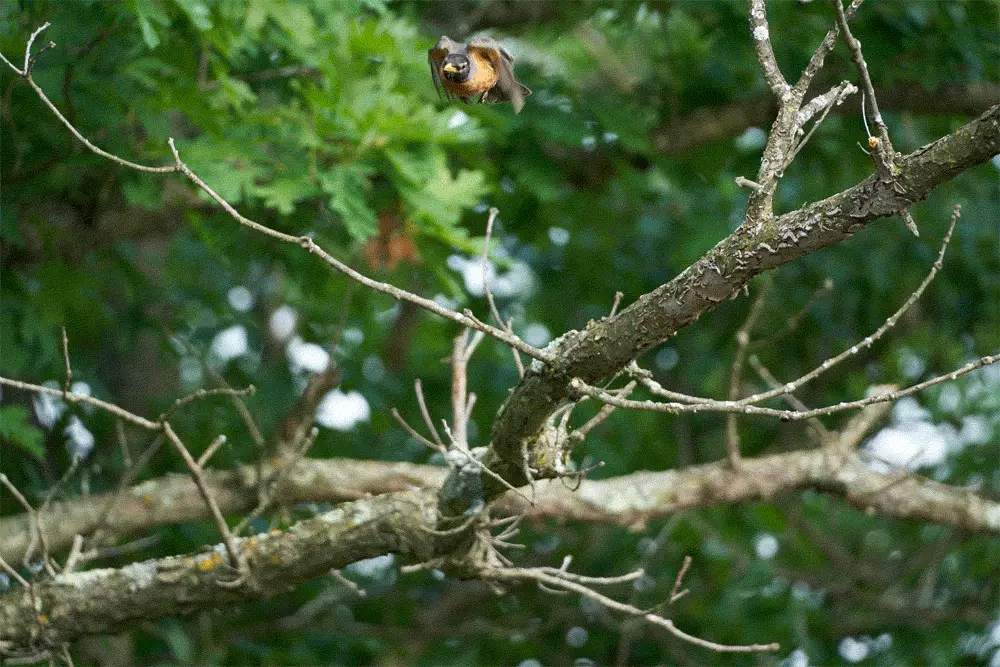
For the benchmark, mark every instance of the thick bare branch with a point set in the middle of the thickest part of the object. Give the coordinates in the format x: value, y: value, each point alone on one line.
x: 606, y: 346
x: 95, y: 602
x: 629, y: 500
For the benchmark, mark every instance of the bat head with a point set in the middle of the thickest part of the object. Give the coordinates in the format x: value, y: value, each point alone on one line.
x: 456, y: 67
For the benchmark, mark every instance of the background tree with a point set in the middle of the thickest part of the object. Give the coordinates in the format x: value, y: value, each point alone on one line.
x: 318, y: 120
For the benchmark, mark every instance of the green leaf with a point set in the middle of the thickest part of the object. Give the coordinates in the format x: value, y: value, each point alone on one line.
x: 198, y: 12
x: 256, y: 15
x: 297, y: 21
x: 149, y: 12
x: 15, y: 428
x: 346, y: 186
x: 284, y: 193
x: 440, y: 202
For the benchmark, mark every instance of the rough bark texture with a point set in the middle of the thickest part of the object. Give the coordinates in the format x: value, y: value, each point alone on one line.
x: 606, y: 346
x: 629, y: 500
x: 104, y: 601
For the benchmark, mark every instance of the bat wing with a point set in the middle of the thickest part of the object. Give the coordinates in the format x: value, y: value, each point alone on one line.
x: 444, y: 46
x: 507, y: 88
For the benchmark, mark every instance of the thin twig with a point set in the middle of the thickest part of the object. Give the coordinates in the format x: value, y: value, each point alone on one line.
x: 739, y: 407
x: 69, y: 370
x: 266, y: 487
x: 459, y: 385
x: 418, y: 389
x: 559, y: 581
x: 869, y: 340
x: 883, y: 149
x: 736, y: 373
x: 507, y: 325
x: 386, y: 288
x: 38, y: 536
x: 675, y: 592
x: 207, y: 454
x: 26, y: 73
x: 415, y: 435
x: 73, y: 397
x: 842, y: 91
x: 14, y: 574
x: 207, y: 393
x: 820, y: 432
x: 614, y: 306
x: 579, y: 434
x: 197, y: 474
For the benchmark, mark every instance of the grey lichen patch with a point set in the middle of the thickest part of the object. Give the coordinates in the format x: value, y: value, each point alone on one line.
x: 992, y: 517
x: 84, y: 580
x: 335, y: 516
x: 139, y: 575
x: 143, y: 489
x: 628, y: 498
x: 463, y: 489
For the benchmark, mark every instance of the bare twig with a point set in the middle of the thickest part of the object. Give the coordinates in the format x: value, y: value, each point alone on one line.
x: 819, y: 431
x: 818, y: 56
x: 69, y: 370
x: 197, y: 474
x: 579, y: 434
x: 80, y: 398
x: 386, y: 288
x: 827, y: 101
x: 883, y: 146
x: 676, y: 593
x: 418, y: 389
x: 617, y: 302
x: 26, y: 73
x: 415, y: 435
x: 765, y: 52
x: 207, y: 393
x: 505, y: 324
x: 265, y: 488
x: 558, y: 580
x: 38, y: 536
x: 740, y: 407
x: 210, y: 450
x: 736, y: 373
x: 459, y: 382
x: 869, y: 340
x: 14, y: 574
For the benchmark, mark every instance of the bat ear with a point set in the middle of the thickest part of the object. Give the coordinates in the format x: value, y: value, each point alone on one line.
x: 445, y: 44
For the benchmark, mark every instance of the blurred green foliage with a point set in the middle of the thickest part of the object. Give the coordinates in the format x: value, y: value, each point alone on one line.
x: 320, y: 118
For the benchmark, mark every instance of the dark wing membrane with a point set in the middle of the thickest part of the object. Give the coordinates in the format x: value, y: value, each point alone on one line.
x: 444, y: 46
x: 507, y: 88
x: 434, y: 58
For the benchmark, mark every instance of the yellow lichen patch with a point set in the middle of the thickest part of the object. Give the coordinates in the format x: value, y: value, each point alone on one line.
x: 275, y: 559
x: 43, y: 619
x: 210, y: 562
x: 147, y: 499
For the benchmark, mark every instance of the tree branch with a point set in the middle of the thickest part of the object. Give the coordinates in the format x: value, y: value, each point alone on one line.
x: 707, y: 124
x: 606, y: 346
x: 95, y: 602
